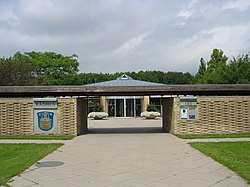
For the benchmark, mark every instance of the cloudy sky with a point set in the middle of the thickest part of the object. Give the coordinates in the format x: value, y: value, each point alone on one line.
x: 127, y: 35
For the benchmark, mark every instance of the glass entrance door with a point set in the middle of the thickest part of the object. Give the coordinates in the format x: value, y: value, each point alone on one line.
x: 111, y: 107
x: 138, y: 107
x: 130, y: 108
x: 119, y: 107
x: 123, y: 107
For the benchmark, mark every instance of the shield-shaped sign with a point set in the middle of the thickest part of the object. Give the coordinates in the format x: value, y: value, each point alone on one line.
x: 45, y: 120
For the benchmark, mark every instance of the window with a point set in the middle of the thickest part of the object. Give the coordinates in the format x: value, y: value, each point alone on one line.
x: 187, y: 113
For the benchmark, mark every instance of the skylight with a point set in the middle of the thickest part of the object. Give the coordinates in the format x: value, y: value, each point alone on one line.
x: 124, y: 76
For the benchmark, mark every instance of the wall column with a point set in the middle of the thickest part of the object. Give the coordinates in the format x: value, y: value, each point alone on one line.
x: 167, y: 113
x: 82, y: 115
x: 103, y: 102
x: 145, y: 103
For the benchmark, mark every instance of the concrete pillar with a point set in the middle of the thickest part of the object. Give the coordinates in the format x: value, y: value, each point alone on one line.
x: 167, y: 113
x: 82, y: 115
x: 145, y: 103
x: 103, y: 102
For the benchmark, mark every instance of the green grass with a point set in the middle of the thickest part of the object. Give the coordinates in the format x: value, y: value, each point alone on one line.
x: 38, y: 137
x: 234, y: 155
x: 206, y: 136
x: 15, y: 158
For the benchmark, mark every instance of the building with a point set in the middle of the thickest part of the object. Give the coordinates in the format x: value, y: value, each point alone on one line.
x: 28, y: 110
x: 126, y: 106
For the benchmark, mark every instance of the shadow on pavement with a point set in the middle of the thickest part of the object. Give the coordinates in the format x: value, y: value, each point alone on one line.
x: 126, y: 130
x: 49, y: 164
x: 45, y: 164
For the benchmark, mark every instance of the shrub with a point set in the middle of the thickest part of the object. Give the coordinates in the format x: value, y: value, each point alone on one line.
x: 151, y: 108
x: 98, y: 108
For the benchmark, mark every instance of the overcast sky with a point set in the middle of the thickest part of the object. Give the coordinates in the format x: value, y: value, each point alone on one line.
x: 127, y: 35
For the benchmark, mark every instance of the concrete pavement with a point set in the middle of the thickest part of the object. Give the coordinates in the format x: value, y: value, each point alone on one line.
x: 137, y: 157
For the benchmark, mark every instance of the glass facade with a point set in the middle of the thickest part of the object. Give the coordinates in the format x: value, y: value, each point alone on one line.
x: 124, y: 106
x: 119, y: 107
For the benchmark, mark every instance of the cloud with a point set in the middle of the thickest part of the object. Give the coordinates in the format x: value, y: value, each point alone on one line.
x: 202, y: 43
x: 188, y: 10
x: 131, y: 44
x: 184, y: 13
x: 241, y: 5
x: 125, y: 35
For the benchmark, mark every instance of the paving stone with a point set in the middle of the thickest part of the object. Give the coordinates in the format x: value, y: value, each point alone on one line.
x: 127, y: 159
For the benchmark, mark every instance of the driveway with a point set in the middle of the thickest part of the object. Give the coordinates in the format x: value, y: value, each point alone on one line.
x: 135, y: 153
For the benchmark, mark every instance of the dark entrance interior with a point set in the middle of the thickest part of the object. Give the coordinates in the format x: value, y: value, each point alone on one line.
x: 125, y: 121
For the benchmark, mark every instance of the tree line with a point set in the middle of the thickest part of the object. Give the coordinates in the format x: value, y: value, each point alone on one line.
x: 50, y: 68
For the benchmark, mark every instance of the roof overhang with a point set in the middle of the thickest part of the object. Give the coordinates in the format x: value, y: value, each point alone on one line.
x: 43, y: 91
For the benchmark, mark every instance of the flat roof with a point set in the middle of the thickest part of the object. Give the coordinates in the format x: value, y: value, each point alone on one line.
x: 194, y: 89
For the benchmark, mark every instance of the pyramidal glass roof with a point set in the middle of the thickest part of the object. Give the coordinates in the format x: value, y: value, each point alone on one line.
x: 125, y: 80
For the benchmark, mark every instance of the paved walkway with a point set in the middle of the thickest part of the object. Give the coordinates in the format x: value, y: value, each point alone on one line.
x: 134, y: 158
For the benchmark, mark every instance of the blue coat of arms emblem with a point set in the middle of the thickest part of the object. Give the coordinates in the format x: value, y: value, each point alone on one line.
x: 45, y: 120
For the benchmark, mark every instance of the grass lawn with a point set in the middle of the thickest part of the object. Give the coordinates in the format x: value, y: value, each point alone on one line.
x: 205, y: 136
x: 234, y: 155
x: 38, y: 137
x: 15, y: 158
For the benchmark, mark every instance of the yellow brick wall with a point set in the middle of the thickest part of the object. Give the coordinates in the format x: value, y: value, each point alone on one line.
x: 16, y: 116
x: 67, y: 116
x: 215, y: 115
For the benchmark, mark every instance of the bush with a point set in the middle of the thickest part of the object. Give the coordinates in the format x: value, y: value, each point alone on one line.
x: 151, y: 108
x: 98, y: 108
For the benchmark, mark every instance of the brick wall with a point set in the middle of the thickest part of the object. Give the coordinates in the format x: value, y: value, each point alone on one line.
x: 67, y: 116
x: 16, y: 116
x: 215, y: 115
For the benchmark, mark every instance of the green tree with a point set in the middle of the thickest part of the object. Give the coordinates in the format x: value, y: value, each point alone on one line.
x: 239, y: 70
x: 215, y: 72
x: 16, y: 72
x: 49, y: 67
x: 202, y: 68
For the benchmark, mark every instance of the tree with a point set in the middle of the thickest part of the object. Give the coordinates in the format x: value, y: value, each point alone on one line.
x: 16, y: 72
x: 239, y: 70
x: 202, y: 68
x: 214, y: 71
x: 49, y: 67
x: 216, y: 68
